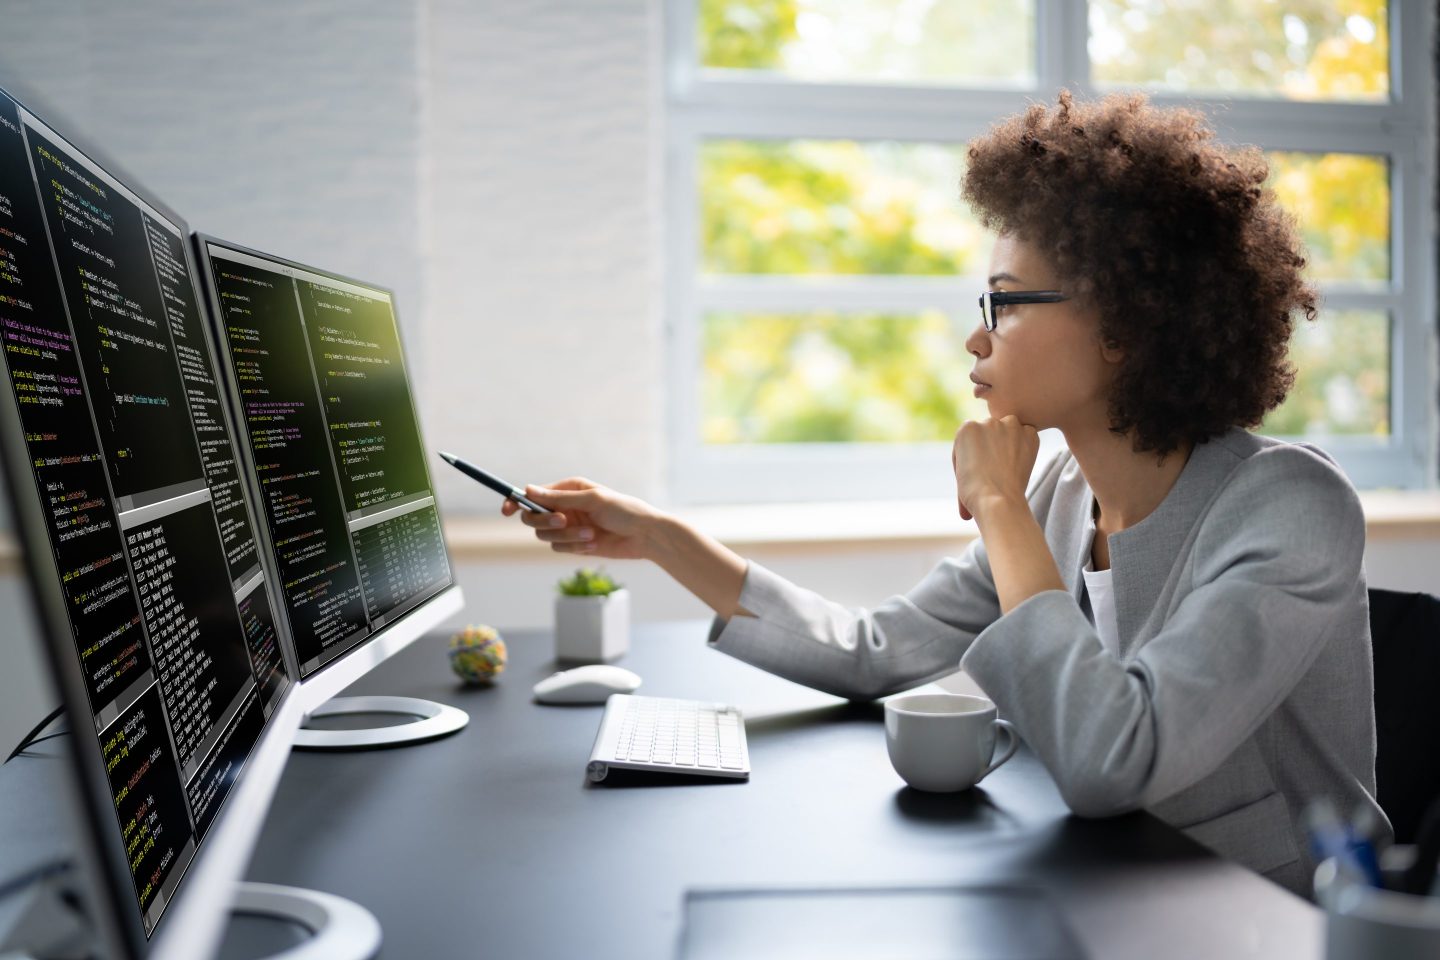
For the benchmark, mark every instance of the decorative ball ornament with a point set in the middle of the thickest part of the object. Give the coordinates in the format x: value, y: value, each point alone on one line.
x: 477, y: 654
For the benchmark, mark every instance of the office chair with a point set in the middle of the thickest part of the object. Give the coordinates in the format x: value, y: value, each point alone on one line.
x: 1405, y: 645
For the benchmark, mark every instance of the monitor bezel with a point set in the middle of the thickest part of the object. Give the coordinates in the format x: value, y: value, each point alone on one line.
x: 195, y: 918
x: 330, y: 678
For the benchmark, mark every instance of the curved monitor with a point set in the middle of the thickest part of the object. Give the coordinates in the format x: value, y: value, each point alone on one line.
x: 139, y: 537
x: 332, y: 441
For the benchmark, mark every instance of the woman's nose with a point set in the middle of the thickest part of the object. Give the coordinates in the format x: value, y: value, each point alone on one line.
x: 978, y: 343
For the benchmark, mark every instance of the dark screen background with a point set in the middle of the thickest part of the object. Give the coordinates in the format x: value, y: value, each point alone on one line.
x: 119, y: 325
x: 288, y: 442
x: 356, y: 350
x: 69, y: 470
x: 92, y: 288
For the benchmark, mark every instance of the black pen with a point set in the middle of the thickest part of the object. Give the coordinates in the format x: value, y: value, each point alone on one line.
x: 493, y: 482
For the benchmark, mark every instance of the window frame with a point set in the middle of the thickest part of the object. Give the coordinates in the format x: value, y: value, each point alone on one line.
x: 700, y: 107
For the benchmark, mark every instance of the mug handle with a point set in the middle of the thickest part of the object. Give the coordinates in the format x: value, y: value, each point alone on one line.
x: 1008, y: 729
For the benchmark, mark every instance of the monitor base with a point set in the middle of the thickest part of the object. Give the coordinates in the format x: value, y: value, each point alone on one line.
x: 341, y: 929
x: 433, y: 720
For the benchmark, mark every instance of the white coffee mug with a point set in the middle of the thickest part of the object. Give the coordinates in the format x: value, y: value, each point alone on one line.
x: 942, y: 742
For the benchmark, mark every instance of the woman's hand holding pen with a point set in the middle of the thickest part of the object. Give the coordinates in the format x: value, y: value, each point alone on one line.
x: 592, y: 520
x: 589, y: 519
x: 992, y: 460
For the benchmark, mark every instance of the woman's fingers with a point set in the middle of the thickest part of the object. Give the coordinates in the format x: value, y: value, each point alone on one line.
x: 570, y: 483
x: 570, y: 535
x: 544, y: 521
x: 587, y: 518
x: 560, y: 498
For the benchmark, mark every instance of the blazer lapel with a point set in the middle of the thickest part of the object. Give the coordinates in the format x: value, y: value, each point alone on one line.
x: 1068, y: 525
x: 1144, y: 557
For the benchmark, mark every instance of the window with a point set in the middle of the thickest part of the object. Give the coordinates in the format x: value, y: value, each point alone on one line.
x: 822, y: 269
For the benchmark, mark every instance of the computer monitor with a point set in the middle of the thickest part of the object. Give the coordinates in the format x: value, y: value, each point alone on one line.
x: 332, y: 440
x: 154, y: 596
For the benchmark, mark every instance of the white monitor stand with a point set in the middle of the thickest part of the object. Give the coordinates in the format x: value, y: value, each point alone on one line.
x: 340, y: 929
x: 319, y: 694
x: 431, y: 721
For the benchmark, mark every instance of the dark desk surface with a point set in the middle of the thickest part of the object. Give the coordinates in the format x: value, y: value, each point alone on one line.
x: 490, y: 843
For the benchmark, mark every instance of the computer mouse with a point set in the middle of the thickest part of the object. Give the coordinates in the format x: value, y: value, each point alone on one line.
x: 592, y: 683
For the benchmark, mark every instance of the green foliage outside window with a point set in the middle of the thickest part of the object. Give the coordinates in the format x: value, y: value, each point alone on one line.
x: 831, y: 377
x: 829, y: 208
x: 1299, y: 49
x: 1342, y: 203
x: 836, y: 207
x: 1342, y: 383
x: 873, y: 41
x: 747, y: 35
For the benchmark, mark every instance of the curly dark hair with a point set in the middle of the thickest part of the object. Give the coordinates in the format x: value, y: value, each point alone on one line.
x: 1191, y: 264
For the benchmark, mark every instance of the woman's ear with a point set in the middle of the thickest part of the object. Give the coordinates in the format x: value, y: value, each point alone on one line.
x: 1111, y: 352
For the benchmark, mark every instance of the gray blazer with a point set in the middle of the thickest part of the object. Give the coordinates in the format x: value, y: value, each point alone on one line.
x: 1243, y: 685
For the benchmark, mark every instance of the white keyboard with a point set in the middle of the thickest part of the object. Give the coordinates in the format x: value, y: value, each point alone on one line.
x: 663, y: 735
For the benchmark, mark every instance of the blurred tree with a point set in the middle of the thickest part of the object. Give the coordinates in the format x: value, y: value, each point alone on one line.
x: 745, y: 34
x: 831, y: 377
x: 1300, y: 49
x: 804, y: 207
x: 1342, y: 383
x: 891, y: 41
x: 838, y: 207
x: 1342, y: 204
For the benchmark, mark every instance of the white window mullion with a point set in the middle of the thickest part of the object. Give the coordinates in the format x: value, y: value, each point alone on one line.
x: 1341, y: 297
x: 739, y: 121
x: 1063, y: 58
x: 682, y: 60
x: 845, y: 294
x: 1413, y: 368
x: 765, y: 96
x: 718, y: 105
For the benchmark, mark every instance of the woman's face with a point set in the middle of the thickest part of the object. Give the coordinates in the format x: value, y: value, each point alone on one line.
x: 1044, y: 362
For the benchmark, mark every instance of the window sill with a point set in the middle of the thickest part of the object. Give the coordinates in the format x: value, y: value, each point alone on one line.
x: 810, y: 527
x: 826, y: 527
x: 819, y: 528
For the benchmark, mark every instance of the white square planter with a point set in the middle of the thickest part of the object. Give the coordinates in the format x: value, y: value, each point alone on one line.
x: 592, y: 629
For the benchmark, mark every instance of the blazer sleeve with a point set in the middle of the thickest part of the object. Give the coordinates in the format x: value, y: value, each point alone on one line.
x: 860, y: 653
x: 1277, y: 559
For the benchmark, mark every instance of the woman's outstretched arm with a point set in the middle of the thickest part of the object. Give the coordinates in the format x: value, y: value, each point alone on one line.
x: 592, y: 520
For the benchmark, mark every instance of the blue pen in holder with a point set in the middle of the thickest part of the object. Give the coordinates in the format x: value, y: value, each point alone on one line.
x: 1363, y: 922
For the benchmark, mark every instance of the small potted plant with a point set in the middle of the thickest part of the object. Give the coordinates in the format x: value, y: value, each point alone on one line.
x: 592, y: 618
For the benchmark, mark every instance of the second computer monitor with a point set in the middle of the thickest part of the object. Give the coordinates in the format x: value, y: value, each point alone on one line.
x: 315, y: 363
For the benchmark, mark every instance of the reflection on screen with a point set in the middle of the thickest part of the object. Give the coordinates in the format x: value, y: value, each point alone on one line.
x: 336, y: 447
x: 134, y: 466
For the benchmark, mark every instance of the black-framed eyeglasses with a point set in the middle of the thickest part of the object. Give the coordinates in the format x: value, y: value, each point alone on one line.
x: 991, y: 300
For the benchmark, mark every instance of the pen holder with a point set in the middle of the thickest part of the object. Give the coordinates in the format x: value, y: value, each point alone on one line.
x: 1363, y: 922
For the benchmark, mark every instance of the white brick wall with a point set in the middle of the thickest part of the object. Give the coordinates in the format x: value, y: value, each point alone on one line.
x: 291, y: 127
x: 541, y: 168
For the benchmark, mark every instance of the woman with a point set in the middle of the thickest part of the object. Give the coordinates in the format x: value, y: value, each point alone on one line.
x: 1174, y: 615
